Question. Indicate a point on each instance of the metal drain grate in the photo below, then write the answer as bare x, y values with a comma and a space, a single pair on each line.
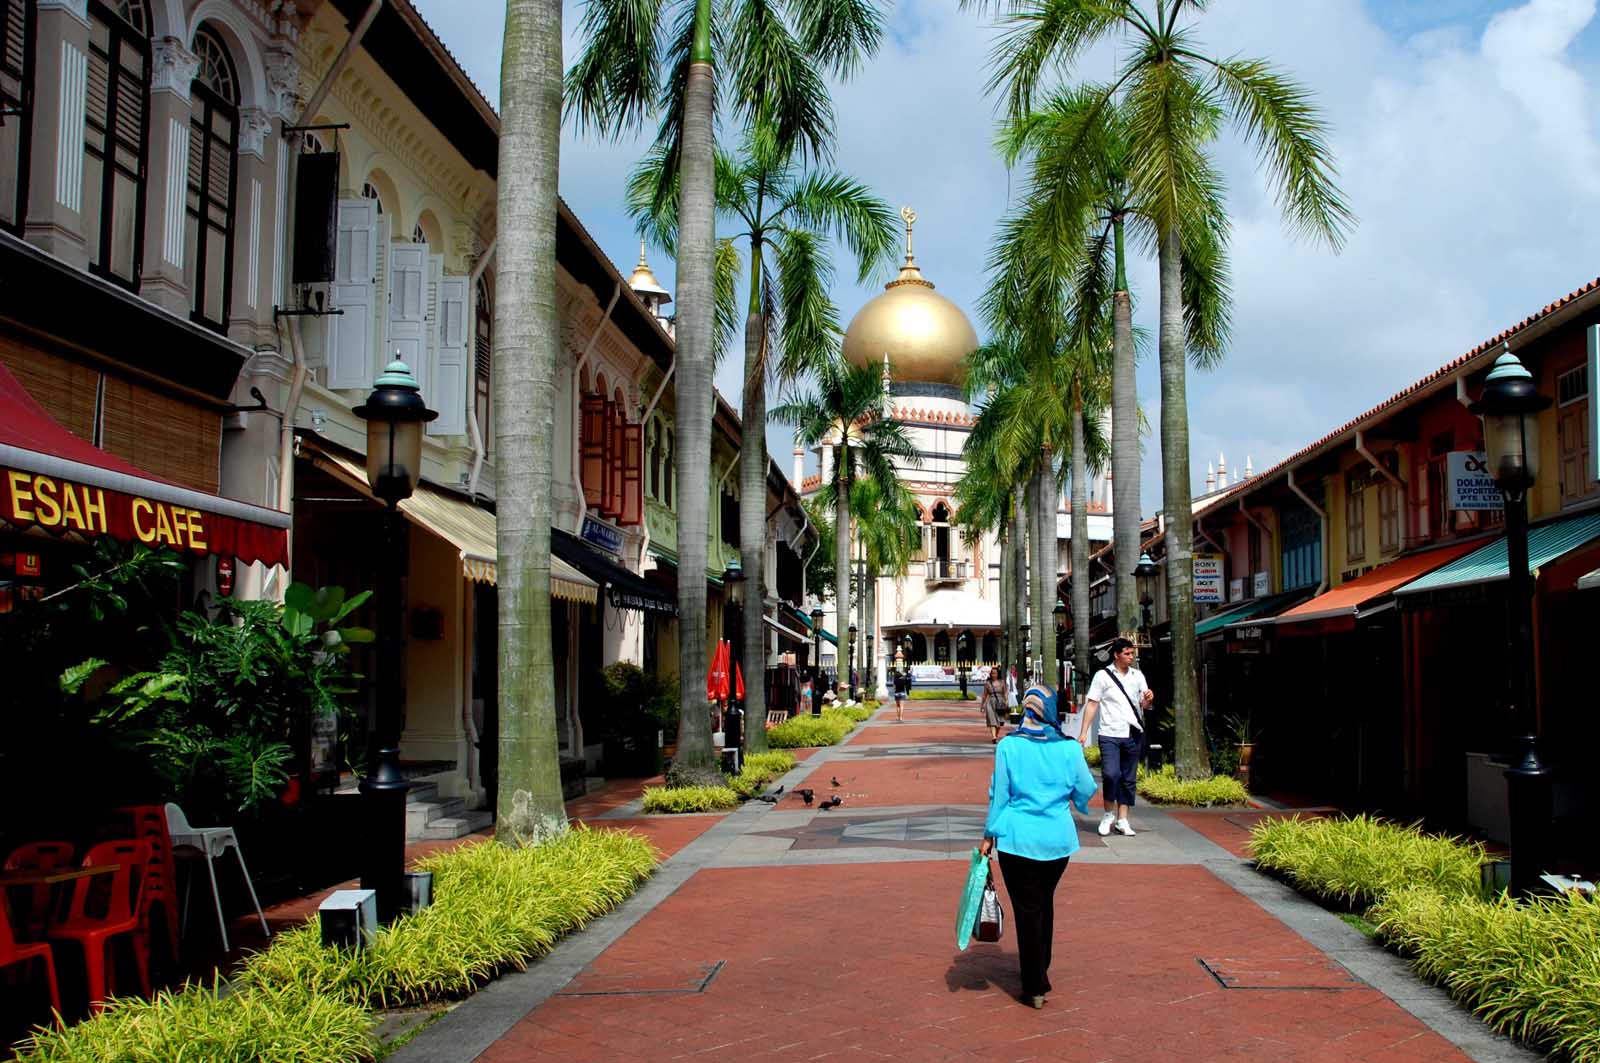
639, 984
1316, 974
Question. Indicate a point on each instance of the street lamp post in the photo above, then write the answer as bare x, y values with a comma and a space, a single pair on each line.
1027, 659
1145, 572
1510, 408
733, 595
963, 660
395, 414
816, 662
850, 675
1060, 614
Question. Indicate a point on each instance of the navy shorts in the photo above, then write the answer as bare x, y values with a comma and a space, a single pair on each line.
1119, 768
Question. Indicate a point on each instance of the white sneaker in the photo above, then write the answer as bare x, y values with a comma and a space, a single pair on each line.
1123, 828
1105, 823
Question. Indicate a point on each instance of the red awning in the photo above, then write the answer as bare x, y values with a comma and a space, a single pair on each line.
53, 480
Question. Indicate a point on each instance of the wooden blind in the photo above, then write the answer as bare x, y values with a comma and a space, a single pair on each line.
632, 488
611, 502
65, 389
593, 450
166, 437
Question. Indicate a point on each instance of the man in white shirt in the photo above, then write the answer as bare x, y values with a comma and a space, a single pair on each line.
1118, 695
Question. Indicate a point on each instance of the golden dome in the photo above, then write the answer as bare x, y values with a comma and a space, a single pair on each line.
644, 282
924, 334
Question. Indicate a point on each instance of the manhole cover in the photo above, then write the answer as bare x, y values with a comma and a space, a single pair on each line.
1299, 972
644, 979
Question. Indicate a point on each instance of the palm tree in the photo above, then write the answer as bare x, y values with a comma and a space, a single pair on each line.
529, 801
644, 57
986, 500
1177, 100
844, 408
788, 216
889, 532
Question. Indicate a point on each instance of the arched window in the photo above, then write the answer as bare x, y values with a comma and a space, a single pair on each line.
369, 192
653, 445
941, 539
16, 104
941, 647
213, 140
115, 127
418, 236
483, 355
991, 649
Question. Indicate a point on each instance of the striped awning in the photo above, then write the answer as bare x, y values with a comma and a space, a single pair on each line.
469, 528
1487, 564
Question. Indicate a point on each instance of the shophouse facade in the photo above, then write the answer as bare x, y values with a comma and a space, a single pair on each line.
1361, 630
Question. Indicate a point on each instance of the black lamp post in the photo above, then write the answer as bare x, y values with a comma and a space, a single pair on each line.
850, 675
816, 664
963, 660
1510, 408
905, 648
1145, 572
395, 414
1027, 657
1060, 614
733, 599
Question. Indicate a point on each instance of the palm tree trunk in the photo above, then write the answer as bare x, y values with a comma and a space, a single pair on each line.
694, 761
841, 559
1080, 547
753, 512
858, 651
869, 669
526, 337
1007, 601
1124, 443
1193, 760
1044, 568
1019, 571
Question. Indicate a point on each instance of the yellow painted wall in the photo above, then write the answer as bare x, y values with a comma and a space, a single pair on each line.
434, 674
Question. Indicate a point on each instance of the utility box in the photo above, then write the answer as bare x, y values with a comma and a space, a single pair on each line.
349, 918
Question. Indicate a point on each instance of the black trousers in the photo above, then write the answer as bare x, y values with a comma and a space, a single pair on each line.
1032, 886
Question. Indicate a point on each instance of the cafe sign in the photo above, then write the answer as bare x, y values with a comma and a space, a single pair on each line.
62, 506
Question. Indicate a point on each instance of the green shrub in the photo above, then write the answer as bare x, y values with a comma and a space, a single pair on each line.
806, 731
941, 695
674, 799
758, 770
1164, 787
285, 1025
856, 713
1531, 970
495, 908
1092, 755
1355, 862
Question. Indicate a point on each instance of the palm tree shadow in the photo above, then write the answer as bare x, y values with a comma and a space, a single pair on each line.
983, 969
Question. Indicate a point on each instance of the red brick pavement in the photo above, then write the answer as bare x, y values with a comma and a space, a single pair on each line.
900, 781
668, 834
859, 962
897, 734
1229, 829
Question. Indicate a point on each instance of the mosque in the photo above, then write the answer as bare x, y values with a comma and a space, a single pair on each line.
952, 590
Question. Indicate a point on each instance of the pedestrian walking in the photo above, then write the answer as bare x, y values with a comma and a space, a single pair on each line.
995, 713
1037, 771
805, 697
1118, 695
902, 690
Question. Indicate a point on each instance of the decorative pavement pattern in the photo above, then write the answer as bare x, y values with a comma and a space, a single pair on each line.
789, 932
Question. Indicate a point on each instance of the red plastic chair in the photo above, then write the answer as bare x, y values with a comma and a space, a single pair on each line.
148, 823
13, 952
121, 905
37, 856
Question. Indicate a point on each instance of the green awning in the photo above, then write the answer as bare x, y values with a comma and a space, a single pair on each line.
1487, 564
830, 636
1255, 608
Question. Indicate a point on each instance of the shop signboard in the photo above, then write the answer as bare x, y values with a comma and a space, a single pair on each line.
1236, 589
1261, 585
1470, 485
1208, 579
598, 533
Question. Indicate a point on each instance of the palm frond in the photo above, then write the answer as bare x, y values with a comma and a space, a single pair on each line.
808, 331
850, 212
613, 85
728, 323
839, 34
1048, 35
777, 89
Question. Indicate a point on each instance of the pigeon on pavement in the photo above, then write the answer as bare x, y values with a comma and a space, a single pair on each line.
833, 802
836, 781
768, 798
807, 793
778, 791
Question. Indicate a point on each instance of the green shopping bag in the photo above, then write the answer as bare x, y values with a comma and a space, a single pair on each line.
971, 898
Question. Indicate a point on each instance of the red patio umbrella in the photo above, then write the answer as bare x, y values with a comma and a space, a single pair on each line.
717, 678
738, 684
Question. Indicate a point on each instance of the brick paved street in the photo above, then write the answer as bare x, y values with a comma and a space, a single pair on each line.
790, 933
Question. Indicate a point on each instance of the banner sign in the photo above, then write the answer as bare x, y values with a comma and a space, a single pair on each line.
1261, 585
1208, 579
1470, 487
62, 506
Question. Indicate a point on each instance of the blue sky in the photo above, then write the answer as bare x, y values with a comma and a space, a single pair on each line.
1466, 143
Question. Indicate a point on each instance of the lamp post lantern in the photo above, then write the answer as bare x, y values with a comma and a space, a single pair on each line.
816, 662
395, 414
1510, 407
963, 660
850, 661
1027, 659
1145, 573
1060, 615
733, 580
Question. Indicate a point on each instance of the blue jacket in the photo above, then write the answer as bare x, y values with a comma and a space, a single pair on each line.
1034, 778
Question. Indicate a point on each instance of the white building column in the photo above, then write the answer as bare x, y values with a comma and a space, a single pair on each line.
172, 70
61, 87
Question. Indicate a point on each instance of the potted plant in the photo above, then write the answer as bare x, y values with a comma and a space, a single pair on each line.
1244, 740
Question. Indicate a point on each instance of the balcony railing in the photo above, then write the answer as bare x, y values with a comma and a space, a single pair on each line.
939, 569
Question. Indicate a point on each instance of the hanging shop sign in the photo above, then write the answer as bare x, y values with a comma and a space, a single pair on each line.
60, 506
1261, 585
598, 533
1470, 485
1208, 579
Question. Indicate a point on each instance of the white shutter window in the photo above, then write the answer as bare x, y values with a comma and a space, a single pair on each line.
452, 367
380, 292
408, 307
349, 335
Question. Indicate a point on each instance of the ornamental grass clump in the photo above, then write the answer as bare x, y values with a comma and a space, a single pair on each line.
261, 1024
678, 799
941, 695
1355, 862
807, 731
857, 713
1164, 787
1529, 969
759, 769
1091, 754
495, 908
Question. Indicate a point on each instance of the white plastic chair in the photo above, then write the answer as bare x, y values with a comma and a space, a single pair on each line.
210, 842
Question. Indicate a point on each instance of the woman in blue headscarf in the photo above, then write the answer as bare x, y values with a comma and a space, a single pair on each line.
1037, 771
